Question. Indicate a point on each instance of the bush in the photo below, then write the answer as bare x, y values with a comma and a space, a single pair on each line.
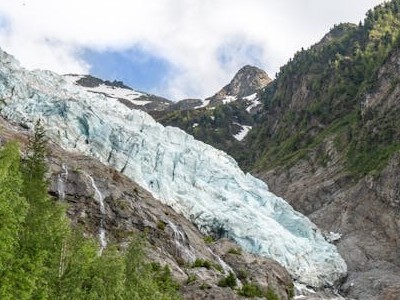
208, 239
236, 251
242, 275
251, 290
228, 281
191, 278
161, 225
271, 295
202, 263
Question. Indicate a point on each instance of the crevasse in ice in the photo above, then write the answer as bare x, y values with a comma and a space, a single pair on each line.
204, 184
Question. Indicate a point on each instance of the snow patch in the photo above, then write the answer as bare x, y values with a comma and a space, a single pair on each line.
251, 97
229, 99
243, 132
204, 104
112, 91
254, 102
332, 236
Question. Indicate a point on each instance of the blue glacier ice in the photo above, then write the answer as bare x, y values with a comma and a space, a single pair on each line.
204, 184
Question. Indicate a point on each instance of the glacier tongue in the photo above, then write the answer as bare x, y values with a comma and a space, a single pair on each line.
204, 184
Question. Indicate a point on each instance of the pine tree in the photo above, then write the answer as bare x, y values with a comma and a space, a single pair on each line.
13, 209
45, 226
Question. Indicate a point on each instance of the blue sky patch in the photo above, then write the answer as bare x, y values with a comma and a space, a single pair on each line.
135, 67
4, 23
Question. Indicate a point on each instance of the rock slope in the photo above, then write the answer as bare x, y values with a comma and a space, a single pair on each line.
129, 210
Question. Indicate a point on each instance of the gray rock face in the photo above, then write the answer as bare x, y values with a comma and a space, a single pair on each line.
263, 272
128, 210
365, 214
247, 81
366, 210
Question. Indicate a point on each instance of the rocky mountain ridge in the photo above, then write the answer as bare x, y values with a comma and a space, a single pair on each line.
225, 119
118, 90
246, 83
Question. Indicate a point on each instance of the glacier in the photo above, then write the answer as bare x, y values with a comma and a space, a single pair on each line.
202, 183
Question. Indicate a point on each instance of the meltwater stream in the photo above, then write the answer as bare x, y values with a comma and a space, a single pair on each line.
61, 181
99, 198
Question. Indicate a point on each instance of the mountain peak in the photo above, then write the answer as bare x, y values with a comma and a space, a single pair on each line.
248, 80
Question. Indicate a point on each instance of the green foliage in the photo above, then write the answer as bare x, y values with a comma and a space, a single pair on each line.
236, 251
205, 286
291, 291
332, 78
228, 281
41, 257
202, 263
191, 278
144, 280
161, 225
208, 239
242, 274
44, 227
271, 295
251, 290
13, 210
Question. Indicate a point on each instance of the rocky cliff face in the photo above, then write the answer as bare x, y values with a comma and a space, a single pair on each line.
364, 212
340, 162
247, 81
128, 209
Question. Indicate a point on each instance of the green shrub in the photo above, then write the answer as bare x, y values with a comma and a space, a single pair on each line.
252, 290
161, 225
191, 278
205, 286
271, 295
202, 263
208, 239
242, 275
228, 281
236, 251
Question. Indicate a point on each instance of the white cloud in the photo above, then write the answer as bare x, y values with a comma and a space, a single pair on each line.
190, 34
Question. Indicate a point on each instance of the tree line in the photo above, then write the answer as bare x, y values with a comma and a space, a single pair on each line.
43, 257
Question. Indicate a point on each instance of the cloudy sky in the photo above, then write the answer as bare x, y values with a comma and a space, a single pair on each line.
174, 48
